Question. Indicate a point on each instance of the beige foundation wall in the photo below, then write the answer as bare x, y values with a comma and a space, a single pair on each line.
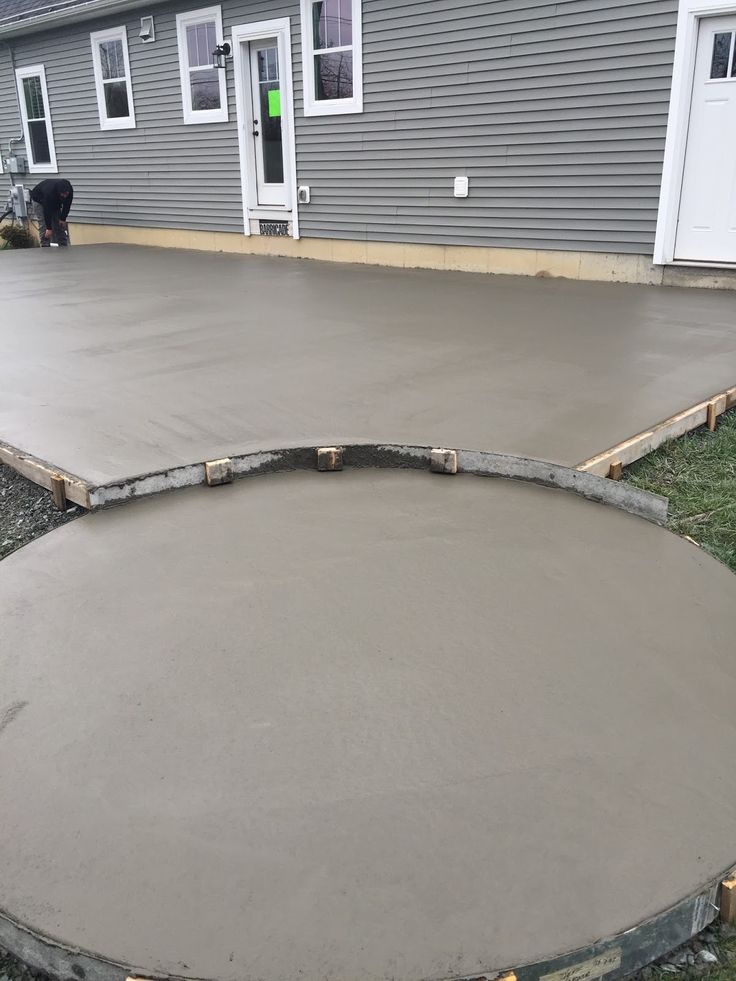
592, 266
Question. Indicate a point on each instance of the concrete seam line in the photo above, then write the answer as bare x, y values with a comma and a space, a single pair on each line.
387, 456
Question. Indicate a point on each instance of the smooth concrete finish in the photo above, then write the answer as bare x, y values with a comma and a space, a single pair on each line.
361, 725
119, 361
602, 267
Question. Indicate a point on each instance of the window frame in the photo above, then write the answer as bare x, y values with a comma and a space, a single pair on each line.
331, 107
96, 39
36, 71
731, 61
184, 20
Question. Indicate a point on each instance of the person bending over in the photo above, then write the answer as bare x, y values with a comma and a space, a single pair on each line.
53, 198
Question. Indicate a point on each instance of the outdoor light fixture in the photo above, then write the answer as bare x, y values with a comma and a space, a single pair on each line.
220, 55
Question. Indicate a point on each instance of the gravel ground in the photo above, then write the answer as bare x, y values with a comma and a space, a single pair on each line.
26, 511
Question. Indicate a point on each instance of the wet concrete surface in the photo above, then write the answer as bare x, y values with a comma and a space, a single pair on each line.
118, 361
361, 725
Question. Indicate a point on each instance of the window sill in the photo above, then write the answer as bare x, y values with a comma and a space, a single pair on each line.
206, 116
112, 124
336, 107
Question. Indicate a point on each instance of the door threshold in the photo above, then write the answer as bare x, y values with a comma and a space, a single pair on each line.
702, 264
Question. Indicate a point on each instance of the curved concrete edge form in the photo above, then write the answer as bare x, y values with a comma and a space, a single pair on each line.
615, 957
388, 455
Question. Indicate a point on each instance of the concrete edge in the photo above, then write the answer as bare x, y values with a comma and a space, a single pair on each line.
616, 956
576, 264
387, 456
644, 443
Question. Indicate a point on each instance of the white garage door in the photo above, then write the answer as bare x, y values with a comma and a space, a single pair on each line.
706, 231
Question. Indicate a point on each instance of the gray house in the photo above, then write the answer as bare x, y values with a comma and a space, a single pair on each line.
586, 138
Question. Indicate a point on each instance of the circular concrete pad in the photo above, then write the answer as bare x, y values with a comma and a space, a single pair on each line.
362, 725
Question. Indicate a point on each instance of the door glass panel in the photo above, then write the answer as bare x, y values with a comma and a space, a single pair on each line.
721, 52
269, 92
334, 75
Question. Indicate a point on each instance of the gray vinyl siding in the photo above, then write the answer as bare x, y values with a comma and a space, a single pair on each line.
555, 111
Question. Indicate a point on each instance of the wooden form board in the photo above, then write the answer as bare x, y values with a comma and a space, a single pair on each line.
704, 413
75, 490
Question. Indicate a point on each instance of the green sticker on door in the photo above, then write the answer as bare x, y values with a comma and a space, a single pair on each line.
274, 103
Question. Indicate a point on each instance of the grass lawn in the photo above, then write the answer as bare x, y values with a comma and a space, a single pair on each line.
698, 474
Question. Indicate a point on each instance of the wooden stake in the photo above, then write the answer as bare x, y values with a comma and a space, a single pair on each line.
712, 415
329, 458
443, 461
219, 471
728, 901
616, 470
58, 491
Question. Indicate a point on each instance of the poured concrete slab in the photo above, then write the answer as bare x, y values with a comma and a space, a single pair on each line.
375, 725
119, 361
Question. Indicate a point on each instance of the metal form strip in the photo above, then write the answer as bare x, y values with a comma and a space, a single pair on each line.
613, 957
387, 456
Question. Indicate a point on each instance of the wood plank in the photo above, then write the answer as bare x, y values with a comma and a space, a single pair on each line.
42, 474
616, 470
645, 442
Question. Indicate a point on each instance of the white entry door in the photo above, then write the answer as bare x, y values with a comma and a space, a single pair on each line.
267, 134
706, 229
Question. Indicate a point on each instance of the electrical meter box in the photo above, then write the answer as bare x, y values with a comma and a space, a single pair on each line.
20, 198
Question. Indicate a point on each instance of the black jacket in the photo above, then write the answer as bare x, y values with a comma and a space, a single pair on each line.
47, 194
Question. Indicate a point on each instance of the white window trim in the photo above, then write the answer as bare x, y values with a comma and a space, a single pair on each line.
182, 22
113, 34
30, 71
331, 107
686, 45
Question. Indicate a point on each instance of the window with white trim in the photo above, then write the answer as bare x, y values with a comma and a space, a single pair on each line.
333, 56
36, 118
112, 78
203, 88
